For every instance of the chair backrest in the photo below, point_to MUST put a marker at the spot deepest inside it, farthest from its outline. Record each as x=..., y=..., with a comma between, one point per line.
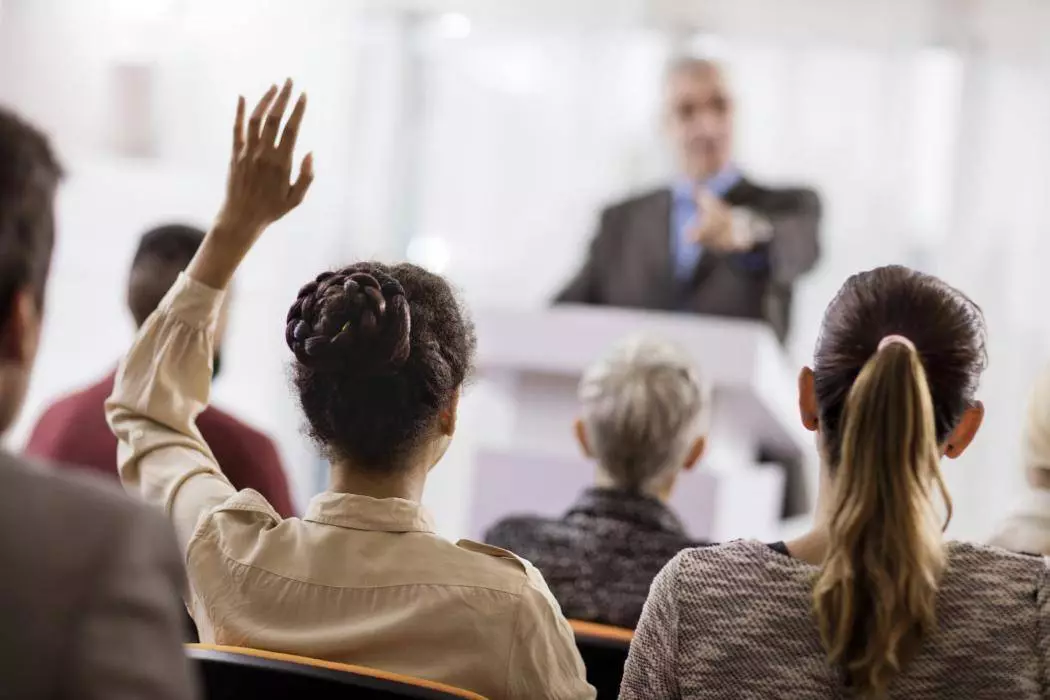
x=230, y=673
x=604, y=651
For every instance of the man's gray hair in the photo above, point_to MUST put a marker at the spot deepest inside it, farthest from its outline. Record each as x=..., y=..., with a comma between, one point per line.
x=643, y=406
x=685, y=63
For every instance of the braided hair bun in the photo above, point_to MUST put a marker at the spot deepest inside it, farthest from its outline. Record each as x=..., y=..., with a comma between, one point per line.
x=351, y=320
x=372, y=381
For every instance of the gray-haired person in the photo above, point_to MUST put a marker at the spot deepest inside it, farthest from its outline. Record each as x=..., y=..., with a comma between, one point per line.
x=642, y=421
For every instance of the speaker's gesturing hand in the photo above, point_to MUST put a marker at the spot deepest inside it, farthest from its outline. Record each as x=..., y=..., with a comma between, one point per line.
x=715, y=228
x=259, y=189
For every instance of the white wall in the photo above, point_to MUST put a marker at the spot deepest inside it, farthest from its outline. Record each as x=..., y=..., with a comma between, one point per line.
x=57, y=62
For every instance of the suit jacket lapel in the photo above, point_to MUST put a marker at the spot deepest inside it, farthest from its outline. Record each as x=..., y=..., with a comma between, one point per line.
x=741, y=194
x=708, y=262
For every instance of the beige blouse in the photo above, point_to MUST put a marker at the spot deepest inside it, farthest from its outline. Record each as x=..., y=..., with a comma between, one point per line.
x=1027, y=529
x=356, y=580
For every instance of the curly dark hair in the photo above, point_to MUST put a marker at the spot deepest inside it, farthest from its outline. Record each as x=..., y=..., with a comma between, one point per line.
x=379, y=351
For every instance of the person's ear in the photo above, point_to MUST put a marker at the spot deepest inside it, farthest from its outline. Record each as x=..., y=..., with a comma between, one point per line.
x=965, y=430
x=807, y=400
x=692, y=458
x=448, y=415
x=581, y=437
x=20, y=333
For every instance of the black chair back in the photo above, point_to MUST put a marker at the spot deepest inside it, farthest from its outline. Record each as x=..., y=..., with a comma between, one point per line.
x=230, y=674
x=604, y=651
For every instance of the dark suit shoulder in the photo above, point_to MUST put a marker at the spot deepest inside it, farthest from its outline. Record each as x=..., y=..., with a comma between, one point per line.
x=645, y=198
x=748, y=193
x=619, y=220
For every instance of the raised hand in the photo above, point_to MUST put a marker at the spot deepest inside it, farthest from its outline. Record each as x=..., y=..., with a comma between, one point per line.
x=259, y=190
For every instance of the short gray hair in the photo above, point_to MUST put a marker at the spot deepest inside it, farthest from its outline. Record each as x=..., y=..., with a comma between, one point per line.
x=685, y=63
x=643, y=405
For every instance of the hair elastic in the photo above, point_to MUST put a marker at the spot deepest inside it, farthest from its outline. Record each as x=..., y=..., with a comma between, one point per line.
x=891, y=339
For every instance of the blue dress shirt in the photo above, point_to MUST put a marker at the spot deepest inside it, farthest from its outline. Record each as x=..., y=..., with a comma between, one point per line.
x=685, y=213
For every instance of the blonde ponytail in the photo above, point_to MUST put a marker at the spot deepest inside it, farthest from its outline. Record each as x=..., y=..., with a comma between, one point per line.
x=875, y=595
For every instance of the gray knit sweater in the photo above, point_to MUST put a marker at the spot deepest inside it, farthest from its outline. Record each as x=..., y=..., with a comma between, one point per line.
x=735, y=621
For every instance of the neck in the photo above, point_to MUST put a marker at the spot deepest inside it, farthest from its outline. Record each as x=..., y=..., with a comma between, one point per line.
x=660, y=491
x=405, y=480
x=701, y=174
x=812, y=547
x=407, y=483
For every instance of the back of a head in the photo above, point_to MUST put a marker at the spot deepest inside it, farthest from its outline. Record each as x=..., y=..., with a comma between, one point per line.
x=163, y=253
x=897, y=365
x=380, y=351
x=29, y=176
x=641, y=410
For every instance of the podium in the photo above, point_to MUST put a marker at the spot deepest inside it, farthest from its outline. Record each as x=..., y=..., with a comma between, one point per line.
x=516, y=417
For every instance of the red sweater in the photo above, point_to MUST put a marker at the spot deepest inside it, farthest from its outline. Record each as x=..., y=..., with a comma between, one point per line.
x=73, y=432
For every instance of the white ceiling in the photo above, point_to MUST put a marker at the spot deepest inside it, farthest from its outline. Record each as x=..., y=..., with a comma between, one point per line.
x=1000, y=23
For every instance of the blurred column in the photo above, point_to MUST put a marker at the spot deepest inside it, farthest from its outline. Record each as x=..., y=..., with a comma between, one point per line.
x=385, y=142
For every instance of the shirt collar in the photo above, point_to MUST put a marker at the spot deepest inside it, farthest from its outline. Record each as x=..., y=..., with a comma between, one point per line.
x=719, y=184
x=615, y=504
x=366, y=513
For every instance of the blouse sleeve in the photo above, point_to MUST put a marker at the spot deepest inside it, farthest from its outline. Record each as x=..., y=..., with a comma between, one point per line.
x=160, y=389
x=1037, y=424
x=651, y=670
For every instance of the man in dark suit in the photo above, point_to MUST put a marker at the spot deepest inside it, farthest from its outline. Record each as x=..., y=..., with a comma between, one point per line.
x=89, y=578
x=711, y=243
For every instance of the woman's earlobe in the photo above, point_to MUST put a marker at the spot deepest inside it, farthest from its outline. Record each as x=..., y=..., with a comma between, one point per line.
x=580, y=430
x=807, y=400
x=447, y=418
x=964, y=431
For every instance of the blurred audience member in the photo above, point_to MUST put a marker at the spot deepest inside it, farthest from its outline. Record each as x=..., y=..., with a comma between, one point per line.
x=1028, y=529
x=712, y=241
x=89, y=595
x=74, y=431
x=380, y=355
x=872, y=602
x=642, y=406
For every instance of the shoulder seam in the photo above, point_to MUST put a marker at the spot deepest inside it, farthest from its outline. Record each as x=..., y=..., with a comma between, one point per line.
x=517, y=593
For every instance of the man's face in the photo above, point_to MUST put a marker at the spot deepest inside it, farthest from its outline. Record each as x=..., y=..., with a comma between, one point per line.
x=700, y=120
